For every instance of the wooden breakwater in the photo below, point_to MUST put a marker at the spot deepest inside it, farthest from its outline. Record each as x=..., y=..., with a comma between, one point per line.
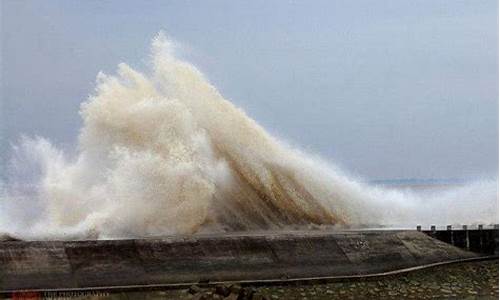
x=477, y=238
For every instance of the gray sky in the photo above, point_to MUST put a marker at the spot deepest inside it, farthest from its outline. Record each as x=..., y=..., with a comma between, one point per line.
x=385, y=89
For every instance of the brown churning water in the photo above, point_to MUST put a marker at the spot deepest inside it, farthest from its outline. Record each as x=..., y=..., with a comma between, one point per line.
x=163, y=152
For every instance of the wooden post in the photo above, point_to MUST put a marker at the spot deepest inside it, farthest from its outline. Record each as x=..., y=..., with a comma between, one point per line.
x=467, y=243
x=480, y=228
x=448, y=228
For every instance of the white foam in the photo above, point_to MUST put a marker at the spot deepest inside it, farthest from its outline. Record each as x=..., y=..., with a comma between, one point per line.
x=165, y=153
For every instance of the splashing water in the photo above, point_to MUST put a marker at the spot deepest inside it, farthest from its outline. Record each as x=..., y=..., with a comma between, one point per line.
x=165, y=153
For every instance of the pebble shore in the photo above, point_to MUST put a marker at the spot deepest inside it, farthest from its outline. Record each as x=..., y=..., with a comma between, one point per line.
x=472, y=280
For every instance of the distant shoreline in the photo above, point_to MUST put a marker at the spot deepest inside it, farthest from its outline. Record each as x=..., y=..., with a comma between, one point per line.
x=418, y=182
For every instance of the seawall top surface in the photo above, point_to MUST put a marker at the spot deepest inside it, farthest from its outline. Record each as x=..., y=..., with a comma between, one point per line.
x=212, y=257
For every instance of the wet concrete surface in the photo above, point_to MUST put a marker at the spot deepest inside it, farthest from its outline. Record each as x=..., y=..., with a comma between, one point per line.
x=472, y=280
x=476, y=280
x=44, y=265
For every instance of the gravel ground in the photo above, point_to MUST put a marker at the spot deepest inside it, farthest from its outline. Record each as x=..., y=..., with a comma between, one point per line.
x=473, y=280
x=463, y=281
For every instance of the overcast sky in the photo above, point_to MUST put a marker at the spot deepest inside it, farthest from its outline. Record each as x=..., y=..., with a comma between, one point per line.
x=385, y=89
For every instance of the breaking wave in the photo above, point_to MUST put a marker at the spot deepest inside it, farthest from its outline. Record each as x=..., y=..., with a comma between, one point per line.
x=165, y=153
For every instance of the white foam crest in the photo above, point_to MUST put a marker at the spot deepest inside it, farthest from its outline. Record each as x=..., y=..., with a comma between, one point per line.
x=165, y=153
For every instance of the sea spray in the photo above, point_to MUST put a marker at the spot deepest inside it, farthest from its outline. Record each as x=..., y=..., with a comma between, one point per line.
x=164, y=153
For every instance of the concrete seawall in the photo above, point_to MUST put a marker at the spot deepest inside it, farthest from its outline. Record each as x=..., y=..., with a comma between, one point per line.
x=173, y=260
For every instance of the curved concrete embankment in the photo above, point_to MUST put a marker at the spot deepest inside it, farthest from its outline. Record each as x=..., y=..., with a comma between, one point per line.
x=77, y=264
